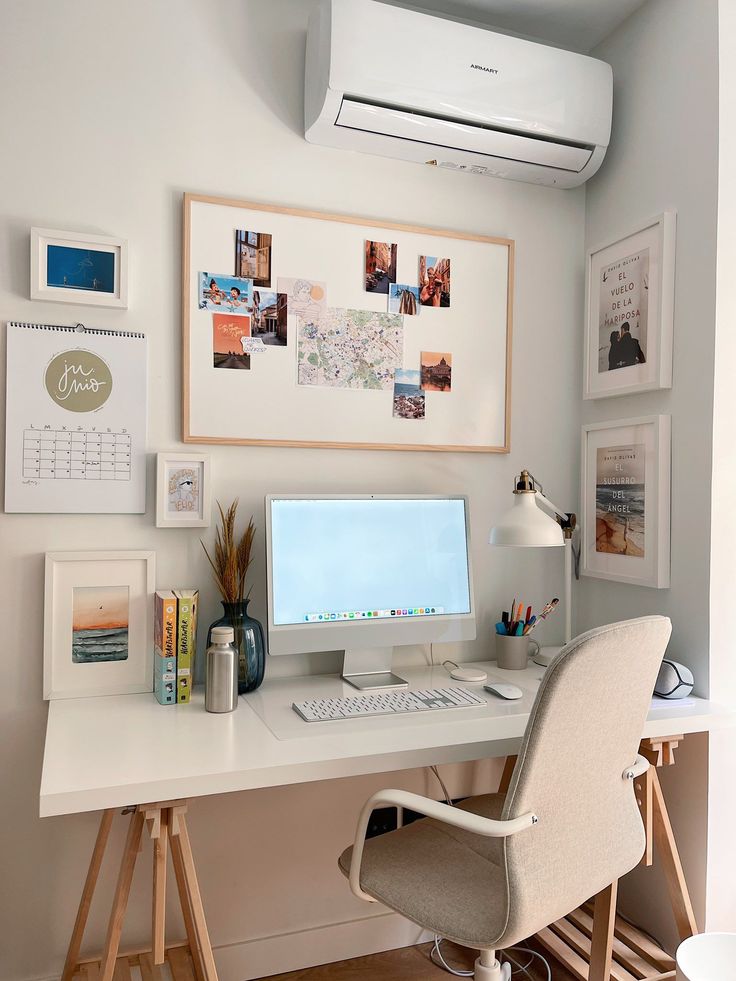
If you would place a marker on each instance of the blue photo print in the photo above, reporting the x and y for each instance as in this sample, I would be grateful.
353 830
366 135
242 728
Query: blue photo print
224 293
403 299
80 269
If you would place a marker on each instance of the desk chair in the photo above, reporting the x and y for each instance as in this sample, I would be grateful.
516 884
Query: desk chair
498 868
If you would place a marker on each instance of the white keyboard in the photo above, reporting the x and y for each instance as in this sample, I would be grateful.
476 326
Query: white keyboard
386 703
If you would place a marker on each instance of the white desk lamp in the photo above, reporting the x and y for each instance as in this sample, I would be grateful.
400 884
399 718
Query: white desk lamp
526 525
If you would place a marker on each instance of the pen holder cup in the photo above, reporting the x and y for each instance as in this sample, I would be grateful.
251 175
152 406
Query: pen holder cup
512 653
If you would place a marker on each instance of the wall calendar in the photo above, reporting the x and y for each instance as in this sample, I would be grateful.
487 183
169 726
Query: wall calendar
76 420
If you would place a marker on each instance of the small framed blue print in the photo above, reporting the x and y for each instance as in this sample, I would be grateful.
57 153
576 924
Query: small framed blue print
73 267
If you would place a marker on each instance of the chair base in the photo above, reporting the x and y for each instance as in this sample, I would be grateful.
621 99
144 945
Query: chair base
489 968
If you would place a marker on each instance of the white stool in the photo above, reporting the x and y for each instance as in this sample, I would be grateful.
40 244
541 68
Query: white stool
706 957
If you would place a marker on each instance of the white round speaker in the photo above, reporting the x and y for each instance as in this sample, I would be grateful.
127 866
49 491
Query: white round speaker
674 680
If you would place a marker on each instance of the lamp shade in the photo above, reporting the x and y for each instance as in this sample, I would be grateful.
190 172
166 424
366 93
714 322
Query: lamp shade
525 525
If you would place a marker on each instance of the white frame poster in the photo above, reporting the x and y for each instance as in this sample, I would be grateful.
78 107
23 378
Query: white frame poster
377 356
629 303
626 501
98 623
183 490
107 288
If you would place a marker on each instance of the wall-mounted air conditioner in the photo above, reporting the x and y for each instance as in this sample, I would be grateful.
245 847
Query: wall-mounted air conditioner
400 83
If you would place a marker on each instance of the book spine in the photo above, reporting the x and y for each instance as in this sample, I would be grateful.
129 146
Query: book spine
164 671
164 680
193 644
184 650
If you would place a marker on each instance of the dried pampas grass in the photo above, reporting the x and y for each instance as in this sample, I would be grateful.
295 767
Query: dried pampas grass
231 559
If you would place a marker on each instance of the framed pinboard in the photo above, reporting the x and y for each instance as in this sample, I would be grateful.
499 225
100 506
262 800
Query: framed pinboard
301 328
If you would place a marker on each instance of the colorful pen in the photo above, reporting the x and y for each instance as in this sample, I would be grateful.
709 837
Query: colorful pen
530 625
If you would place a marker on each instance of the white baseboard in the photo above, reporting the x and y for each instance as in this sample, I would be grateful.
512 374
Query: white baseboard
259 958
322 945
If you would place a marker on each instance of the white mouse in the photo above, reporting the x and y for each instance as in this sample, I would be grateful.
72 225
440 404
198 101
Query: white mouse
468 674
503 690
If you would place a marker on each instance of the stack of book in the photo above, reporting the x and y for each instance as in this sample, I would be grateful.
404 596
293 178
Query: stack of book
175 640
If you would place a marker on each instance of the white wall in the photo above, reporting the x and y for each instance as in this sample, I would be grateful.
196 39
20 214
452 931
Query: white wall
110 112
664 155
720 895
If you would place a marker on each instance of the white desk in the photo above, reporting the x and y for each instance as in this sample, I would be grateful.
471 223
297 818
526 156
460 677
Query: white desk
104 752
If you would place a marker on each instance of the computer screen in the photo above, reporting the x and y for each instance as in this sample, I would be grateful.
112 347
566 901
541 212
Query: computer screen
366 559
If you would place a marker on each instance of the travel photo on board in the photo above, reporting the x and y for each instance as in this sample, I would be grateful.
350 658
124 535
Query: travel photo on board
268 317
434 281
229 341
436 371
620 500
403 299
224 293
409 399
253 256
380 266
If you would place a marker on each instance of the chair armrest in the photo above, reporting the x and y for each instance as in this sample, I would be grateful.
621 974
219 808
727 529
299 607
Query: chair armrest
637 768
465 820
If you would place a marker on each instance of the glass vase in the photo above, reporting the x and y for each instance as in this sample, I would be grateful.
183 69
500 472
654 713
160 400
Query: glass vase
249 643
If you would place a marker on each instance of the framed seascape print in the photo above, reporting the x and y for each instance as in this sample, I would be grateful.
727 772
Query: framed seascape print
73 267
629 302
626 501
301 328
98 623
183 497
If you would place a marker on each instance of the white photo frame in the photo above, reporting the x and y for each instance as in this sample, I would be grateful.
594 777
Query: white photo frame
626 501
98 623
74 267
630 281
183 490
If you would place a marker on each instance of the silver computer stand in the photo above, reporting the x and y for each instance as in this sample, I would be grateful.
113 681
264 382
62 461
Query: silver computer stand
368 668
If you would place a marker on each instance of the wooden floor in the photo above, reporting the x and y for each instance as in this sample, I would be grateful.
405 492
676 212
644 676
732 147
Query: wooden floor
411 964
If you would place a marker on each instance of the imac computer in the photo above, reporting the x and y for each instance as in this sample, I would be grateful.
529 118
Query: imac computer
365 574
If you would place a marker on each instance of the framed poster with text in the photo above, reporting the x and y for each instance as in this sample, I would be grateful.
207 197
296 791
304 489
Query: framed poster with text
626 501
629 303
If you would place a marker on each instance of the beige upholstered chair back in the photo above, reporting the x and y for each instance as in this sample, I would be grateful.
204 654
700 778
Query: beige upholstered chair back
584 730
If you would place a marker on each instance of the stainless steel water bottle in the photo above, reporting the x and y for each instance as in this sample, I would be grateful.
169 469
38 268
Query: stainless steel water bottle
221 672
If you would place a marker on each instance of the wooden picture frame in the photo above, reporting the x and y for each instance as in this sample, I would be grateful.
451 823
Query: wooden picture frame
479 418
194 502
630 293
103 287
626 501
98 623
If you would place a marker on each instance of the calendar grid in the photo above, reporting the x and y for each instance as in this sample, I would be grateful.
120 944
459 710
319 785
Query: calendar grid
76 454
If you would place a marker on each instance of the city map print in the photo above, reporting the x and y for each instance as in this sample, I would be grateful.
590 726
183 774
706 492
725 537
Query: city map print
350 349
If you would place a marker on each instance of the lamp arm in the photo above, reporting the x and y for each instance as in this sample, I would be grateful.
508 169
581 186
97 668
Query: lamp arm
564 517
558 512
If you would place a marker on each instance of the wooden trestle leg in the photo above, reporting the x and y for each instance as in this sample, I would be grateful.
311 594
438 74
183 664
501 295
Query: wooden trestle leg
166 821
